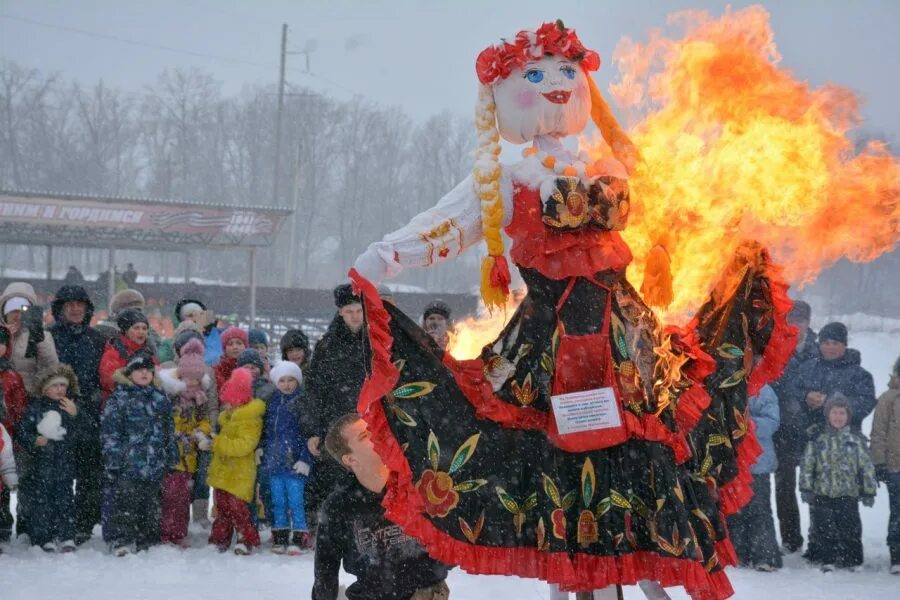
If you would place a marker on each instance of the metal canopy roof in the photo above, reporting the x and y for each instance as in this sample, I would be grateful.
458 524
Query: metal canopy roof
46 218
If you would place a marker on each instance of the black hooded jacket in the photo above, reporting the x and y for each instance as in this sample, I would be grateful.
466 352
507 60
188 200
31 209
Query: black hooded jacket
336 375
844 375
79 346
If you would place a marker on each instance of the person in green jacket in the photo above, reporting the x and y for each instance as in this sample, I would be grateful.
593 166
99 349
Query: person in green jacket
835 475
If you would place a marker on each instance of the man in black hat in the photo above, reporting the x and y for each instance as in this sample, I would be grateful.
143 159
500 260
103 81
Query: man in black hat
336 375
836 369
790 439
81 346
436 321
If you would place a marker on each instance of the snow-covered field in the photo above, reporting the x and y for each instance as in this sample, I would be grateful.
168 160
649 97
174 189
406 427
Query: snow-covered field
201 572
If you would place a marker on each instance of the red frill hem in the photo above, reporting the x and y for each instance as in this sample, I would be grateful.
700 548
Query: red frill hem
738 492
404 506
564 255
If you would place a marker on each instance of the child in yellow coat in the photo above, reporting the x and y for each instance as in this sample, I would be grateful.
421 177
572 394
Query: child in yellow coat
232 473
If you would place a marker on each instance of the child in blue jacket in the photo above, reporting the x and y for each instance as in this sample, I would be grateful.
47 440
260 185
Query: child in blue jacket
286 460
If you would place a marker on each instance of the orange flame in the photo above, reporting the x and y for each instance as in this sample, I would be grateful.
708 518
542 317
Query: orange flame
734 147
468 337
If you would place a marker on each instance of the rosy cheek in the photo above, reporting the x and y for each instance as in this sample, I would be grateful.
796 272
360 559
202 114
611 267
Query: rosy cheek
526 98
582 93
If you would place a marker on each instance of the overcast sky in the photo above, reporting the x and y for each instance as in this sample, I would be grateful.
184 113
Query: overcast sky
416 54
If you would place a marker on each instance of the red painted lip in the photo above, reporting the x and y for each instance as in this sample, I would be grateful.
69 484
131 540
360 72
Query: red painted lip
558 96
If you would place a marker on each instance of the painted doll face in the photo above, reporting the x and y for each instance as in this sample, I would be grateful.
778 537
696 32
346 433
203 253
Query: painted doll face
549 96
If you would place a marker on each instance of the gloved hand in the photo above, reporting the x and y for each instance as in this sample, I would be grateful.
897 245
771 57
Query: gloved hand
868 501
807 497
881 472
259 454
203 441
301 468
50 426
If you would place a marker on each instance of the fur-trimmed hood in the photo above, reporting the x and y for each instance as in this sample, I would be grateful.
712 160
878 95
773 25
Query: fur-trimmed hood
120 378
172 384
59 370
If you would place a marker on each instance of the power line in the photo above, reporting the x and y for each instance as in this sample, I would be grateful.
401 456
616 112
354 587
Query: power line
130 42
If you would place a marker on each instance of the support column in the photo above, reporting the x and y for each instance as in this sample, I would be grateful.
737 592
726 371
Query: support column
187 267
252 287
49 262
111 282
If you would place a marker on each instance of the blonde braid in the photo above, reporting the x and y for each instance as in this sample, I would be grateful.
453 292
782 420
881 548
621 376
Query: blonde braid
494 286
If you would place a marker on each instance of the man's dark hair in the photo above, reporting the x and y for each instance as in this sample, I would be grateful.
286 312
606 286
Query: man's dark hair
335 442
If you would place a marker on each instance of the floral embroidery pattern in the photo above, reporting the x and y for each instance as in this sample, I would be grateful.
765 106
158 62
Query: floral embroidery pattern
437 487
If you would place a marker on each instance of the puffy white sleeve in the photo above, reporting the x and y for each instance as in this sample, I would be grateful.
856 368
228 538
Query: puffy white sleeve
438 234
7 462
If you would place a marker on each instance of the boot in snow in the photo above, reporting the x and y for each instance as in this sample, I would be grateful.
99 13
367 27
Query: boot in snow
242 549
200 510
280 541
300 541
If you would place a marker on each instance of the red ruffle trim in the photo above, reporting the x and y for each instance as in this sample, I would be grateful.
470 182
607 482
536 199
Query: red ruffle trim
469 376
403 505
562 255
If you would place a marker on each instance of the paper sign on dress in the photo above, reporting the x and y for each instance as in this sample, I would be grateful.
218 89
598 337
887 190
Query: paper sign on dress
590 410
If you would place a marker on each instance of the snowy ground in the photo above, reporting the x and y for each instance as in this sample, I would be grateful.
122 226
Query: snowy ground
201 572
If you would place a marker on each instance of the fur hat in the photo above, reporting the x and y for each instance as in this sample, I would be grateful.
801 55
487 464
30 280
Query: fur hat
130 317
126 299
250 357
437 307
343 296
837 400
238 390
45 375
836 332
257 336
294 338
191 365
285 368
232 333
140 360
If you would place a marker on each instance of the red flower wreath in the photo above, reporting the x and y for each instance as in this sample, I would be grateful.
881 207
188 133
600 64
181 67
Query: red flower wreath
497 62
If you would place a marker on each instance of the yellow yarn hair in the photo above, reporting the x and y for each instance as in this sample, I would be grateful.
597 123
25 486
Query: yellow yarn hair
487 184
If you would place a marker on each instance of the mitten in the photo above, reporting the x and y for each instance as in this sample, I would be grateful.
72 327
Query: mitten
259 454
868 501
203 441
301 468
51 427
807 496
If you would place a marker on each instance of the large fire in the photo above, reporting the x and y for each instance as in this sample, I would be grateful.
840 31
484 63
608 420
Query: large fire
735 147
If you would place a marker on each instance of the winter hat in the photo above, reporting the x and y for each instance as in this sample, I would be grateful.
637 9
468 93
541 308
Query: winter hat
343 295
286 368
130 317
191 365
294 338
185 334
126 299
802 311
140 360
837 400
234 332
187 307
53 381
257 336
250 357
836 332
238 390
437 307
15 303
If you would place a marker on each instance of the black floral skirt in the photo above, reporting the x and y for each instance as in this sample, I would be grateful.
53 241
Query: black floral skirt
483 476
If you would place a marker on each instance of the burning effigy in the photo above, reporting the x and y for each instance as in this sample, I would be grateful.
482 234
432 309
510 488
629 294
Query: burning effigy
575 436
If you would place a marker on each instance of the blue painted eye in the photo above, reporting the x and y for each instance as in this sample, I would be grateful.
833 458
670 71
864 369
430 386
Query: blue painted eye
568 71
534 75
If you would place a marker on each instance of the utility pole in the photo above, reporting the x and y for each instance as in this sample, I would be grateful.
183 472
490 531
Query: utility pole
277 176
292 243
